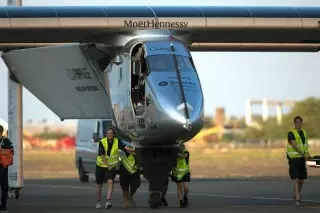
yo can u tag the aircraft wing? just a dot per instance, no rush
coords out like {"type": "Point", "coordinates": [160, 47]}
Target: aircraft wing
{"type": "Point", "coordinates": [65, 78]}
{"type": "Point", "coordinates": [203, 28]}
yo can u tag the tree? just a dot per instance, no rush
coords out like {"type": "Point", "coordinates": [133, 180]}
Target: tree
{"type": "Point", "coordinates": [252, 133]}
{"type": "Point", "coordinates": [309, 110]}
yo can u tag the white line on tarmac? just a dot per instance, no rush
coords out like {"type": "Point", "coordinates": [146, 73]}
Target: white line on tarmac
{"type": "Point", "coordinates": [191, 193]}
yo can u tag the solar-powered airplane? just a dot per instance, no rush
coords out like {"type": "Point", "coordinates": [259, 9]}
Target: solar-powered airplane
{"type": "Point", "coordinates": [133, 65]}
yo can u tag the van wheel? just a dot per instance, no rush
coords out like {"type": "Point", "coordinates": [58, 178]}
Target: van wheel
{"type": "Point", "coordinates": [17, 193]}
{"type": "Point", "coordinates": [82, 174]}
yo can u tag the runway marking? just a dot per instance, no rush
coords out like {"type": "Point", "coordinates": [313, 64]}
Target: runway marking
{"type": "Point", "coordinates": [81, 205]}
{"type": "Point", "coordinates": [260, 207]}
{"type": "Point", "coordinates": [191, 193]}
{"type": "Point", "coordinates": [114, 205]}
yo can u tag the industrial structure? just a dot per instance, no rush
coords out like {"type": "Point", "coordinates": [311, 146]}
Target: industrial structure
{"type": "Point", "coordinates": [265, 108]}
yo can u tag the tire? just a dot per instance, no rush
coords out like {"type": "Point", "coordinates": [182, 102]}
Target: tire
{"type": "Point", "coordinates": [83, 177]}
{"type": "Point", "coordinates": [154, 200]}
{"type": "Point", "coordinates": [16, 194]}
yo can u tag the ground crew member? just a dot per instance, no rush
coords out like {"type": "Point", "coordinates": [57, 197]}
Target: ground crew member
{"type": "Point", "coordinates": [297, 154]}
{"type": "Point", "coordinates": [107, 161]}
{"type": "Point", "coordinates": [129, 176]}
{"type": "Point", "coordinates": [163, 200]}
{"type": "Point", "coordinates": [181, 176]}
{"type": "Point", "coordinates": [5, 143]}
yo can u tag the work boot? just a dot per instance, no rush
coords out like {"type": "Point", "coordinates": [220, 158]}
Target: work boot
{"type": "Point", "coordinates": [163, 202]}
{"type": "Point", "coordinates": [185, 200]}
{"type": "Point", "coordinates": [182, 205]}
{"type": "Point", "coordinates": [132, 203]}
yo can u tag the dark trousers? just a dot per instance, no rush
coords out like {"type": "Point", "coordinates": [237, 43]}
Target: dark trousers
{"type": "Point", "coordinates": [128, 180]}
{"type": "Point", "coordinates": [4, 185]}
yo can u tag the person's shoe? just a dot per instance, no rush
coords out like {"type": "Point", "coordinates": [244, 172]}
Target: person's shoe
{"type": "Point", "coordinates": [298, 202]}
{"type": "Point", "coordinates": [3, 209]}
{"type": "Point", "coordinates": [133, 203]}
{"type": "Point", "coordinates": [182, 205]}
{"type": "Point", "coordinates": [98, 205]}
{"type": "Point", "coordinates": [108, 204]}
{"type": "Point", "coordinates": [185, 201]}
{"type": "Point", "coordinates": [163, 202]}
{"type": "Point", "coordinates": [127, 205]}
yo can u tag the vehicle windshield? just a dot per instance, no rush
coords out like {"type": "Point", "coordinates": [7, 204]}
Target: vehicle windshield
{"type": "Point", "coordinates": [165, 63]}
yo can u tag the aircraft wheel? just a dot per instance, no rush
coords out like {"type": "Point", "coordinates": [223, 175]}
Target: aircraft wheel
{"type": "Point", "coordinates": [154, 200]}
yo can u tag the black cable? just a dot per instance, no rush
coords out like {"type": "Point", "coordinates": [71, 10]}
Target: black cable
{"type": "Point", "coordinates": [180, 82]}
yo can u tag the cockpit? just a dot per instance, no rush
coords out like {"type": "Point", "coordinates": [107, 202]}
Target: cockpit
{"type": "Point", "coordinates": [142, 66]}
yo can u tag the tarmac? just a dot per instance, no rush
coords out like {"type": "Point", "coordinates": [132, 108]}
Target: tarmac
{"type": "Point", "coordinates": [206, 195]}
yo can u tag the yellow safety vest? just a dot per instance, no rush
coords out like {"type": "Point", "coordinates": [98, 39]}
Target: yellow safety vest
{"type": "Point", "coordinates": [292, 153]}
{"type": "Point", "coordinates": [113, 159]}
{"type": "Point", "coordinates": [129, 163]}
{"type": "Point", "coordinates": [182, 168]}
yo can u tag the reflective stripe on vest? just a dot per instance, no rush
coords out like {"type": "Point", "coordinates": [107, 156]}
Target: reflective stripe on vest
{"type": "Point", "coordinates": [292, 153]}
{"type": "Point", "coordinates": [182, 168]}
{"type": "Point", "coordinates": [113, 159]}
{"type": "Point", "coordinates": [129, 163]}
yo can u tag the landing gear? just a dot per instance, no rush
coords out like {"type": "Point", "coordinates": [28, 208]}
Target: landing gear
{"type": "Point", "coordinates": [157, 164]}
{"type": "Point", "coordinates": [154, 200]}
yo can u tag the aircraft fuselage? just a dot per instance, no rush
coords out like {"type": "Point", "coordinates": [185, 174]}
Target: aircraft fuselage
{"type": "Point", "coordinates": [146, 94]}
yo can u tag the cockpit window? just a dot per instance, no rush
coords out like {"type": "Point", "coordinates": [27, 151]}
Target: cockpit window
{"type": "Point", "coordinates": [165, 63]}
{"type": "Point", "coordinates": [161, 63]}
{"type": "Point", "coordinates": [184, 64]}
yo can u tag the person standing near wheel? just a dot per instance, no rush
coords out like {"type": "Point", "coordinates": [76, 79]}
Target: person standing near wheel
{"type": "Point", "coordinates": [107, 161]}
{"type": "Point", "coordinates": [181, 176]}
{"type": "Point", "coordinates": [129, 176]}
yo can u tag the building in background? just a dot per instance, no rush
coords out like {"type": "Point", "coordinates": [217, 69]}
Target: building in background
{"type": "Point", "coordinates": [220, 117]}
{"type": "Point", "coordinates": [265, 104]}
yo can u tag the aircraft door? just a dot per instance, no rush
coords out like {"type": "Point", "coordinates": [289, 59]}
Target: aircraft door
{"type": "Point", "coordinates": [138, 75]}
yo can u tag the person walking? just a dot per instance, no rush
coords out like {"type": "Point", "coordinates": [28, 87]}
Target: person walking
{"type": "Point", "coordinates": [297, 154]}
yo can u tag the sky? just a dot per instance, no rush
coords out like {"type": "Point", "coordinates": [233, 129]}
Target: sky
{"type": "Point", "coordinates": [227, 79]}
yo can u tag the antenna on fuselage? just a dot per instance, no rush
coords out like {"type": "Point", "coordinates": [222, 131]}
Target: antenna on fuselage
{"type": "Point", "coordinates": [170, 40]}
